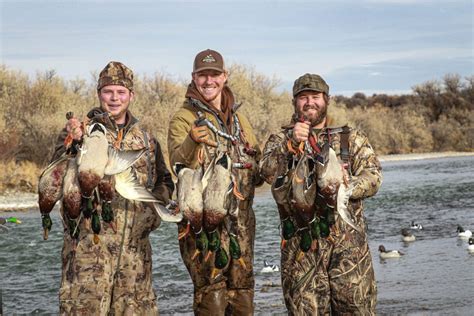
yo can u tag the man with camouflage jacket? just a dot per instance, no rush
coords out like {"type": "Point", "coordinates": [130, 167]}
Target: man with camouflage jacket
{"type": "Point", "coordinates": [207, 125]}
{"type": "Point", "coordinates": [335, 276]}
{"type": "Point", "coordinates": [114, 276]}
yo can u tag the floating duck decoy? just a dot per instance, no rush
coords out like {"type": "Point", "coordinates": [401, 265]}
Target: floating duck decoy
{"type": "Point", "coordinates": [416, 225]}
{"type": "Point", "coordinates": [269, 268]}
{"type": "Point", "coordinates": [333, 184]}
{"type": "Point", "coordinates": [3, 221]}
{"type": "Point", "coordinates": [407, 236]}
{"type": "Point", "coordinates": [463, 233]}
{"type": "Point", "coordinates": [387, 254]}
{"type": "Point", "coordinates": [12, 220]}
{"type": "Point", "coordinates": [470, 246]}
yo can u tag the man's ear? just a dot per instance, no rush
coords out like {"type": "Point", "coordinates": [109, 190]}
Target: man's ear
{"type": "Point", "coordinates": [132, 95]}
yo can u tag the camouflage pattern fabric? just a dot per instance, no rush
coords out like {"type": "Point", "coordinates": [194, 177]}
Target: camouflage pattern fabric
{"type": "Point", "coordinates": [337, 277]}
{"type": "Point", "coordinates": [116, 73]}
{"type": "Point", "coordinates": [310, 82]}
{"type": "Point", "coordinates": [232, 290]}
{"type": "Point", "coordinates": [115, 275]}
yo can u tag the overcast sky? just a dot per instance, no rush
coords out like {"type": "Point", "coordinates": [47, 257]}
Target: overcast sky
{"type": "Point", "coordinates": [373, 46]}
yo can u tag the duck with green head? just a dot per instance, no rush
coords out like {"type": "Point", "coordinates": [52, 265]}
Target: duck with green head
{"type": "Point", "coordinates": [281, 190]}
{"type": "Point", "coordinates": [190, 203]}
{"type": "Point", "coordinates": [218, 186]}
{"type": "Point", "coordinates": [50, 190]}
{"type": "Point", "coordinates": [333, 185]}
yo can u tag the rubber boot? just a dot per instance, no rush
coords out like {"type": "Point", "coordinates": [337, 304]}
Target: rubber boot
{"type": "Point", "coordinates": [240, 302]}
{"type": "Point", "coordinates": [210, 301]}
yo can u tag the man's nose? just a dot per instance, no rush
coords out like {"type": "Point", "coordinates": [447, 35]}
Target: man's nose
{"type": "Point", "coordinates": [209, 79]}
{"type": "Point", "coordinates": [115, 96]}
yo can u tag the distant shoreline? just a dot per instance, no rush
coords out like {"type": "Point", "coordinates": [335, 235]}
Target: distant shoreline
{"type": "Point", "coordinates": [13, 201]}
{"type": "Point", "coordinates": [420, 156]}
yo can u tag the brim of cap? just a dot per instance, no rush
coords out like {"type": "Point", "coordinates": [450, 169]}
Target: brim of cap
{"type": "Point", "coordinates": [208, 68]}
{"type": "Point", "coordinates": [307, 89]}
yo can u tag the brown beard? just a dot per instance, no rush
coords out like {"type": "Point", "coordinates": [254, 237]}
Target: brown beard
{"type": "Point", "coordinates": [319, 118]}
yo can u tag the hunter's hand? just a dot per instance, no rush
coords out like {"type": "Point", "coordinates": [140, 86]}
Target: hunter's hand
{"type": "Point", "coordinates": [74, 128]}
{"type": "Point", "coordinates": [201, 134]}
{"type": "Point", "coordinates": [301, 131]}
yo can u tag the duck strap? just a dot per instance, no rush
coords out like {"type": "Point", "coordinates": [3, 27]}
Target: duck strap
{"type": "Point", "coordinates": [345, 156]}
{"type": "Point", "coordinates": [149, 182]}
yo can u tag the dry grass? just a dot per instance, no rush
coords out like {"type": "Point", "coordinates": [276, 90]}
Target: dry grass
{"type": "Point", "coordinates": [438, 116]}
{"type": "Point", "coordinates": [22, 176]}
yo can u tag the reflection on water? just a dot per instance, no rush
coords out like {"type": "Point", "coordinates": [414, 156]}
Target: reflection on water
{"type": "Point", "coordinates": [435, 275]}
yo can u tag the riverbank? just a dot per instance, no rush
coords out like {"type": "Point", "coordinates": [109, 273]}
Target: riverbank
{"type": "Point", "coordinates": [419, 156]}
{"type": "Point", "coordinates": [12, 200]}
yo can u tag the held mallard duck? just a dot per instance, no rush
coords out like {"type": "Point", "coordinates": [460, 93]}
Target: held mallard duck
{"type": "Point", "coordinates": [333, 184]}
{"type": "Point", "coordinates": [190, 202]}
{"type": "Point", "coordinates": [303, 191]}
{"type": "Point", "coordinates": [218, 186]}
{"type": "Point", "coordinates": [50, 190]}
{"type": "Point", "coordinates": [96, 159]}
{"type": "Point", "coordinates": [281, 189]}
{"type": "Point", "coordinates": [72, 196]}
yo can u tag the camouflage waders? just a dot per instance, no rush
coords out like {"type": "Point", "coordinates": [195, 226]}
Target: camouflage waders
{"type": "Point", "coordinates": [337, 277]}
{"type": "Point", "coordinates": [114, 276]}
{"type": "Point", "coordinates": [232, 290]}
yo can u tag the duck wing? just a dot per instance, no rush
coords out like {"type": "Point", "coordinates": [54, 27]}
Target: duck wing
{"type": "Point", "coordinates": [119, 161]}
{"type": "Point", "coordinates": [343, 195]}
{"type": "Point", "coordinates": [128, 186]}
{"type": "Point", "coordinates": [167, 214]}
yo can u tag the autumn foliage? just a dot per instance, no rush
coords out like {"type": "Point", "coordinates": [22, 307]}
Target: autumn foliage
{"type": "Point", "coordinates": [437, 116]}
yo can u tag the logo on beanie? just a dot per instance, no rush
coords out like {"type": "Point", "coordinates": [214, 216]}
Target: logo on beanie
{"type": "Point", "coordinates": [209, 59]}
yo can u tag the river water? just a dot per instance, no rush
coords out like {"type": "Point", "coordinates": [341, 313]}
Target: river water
{"type": "Point", "coordinates": [434, 277]}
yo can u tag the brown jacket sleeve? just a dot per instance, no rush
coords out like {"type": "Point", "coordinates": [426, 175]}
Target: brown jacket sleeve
{"type": "Point", "coordinates": [181, 147]}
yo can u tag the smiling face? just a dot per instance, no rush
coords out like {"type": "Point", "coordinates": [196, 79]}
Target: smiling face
{"type": "Point", "coordinates": [210, 84]}
{"type": "Point", "coordinates": [313, 105]}
{"type": "Point", "coordinates": [115, 99]}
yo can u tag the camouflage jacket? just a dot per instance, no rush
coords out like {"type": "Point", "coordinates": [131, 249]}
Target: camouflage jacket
{"type": "Point", "coordinates": [150, 168]}
{"type": "Point", "coordinates": [364, 168]}
{"type": "Point", "coordinates": [184, 150]}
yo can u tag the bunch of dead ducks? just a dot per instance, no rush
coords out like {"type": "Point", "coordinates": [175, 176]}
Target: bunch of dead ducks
{"type": "Point", "coordinates": [208, 198]}
{"type": "Point", "coordinates": [310, 187]}
{"type": "Point", "coordinates": [86, 182]}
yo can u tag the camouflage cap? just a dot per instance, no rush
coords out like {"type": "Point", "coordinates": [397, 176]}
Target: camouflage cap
{"type": "Point", "coordinates": [310, 82]}
{"type": "Point", "coordinates": [116, 73]}
{"type": "Point", "coordinates": [208, 59]}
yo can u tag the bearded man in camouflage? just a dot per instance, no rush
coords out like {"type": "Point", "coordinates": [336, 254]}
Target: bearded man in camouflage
{"type": "Point", "coordinates": [114, 276]}
{"type": "Point", "coordinates": [208, 123]}
{"type": "Point", "coordinates": [335, 276]}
